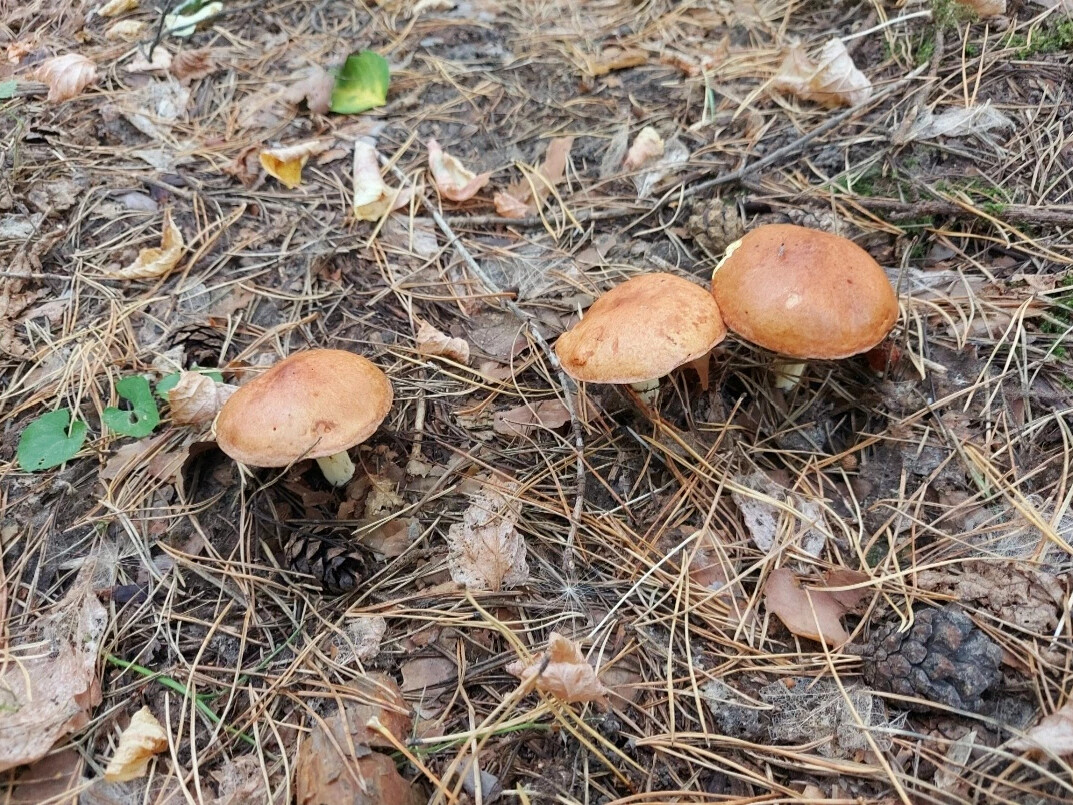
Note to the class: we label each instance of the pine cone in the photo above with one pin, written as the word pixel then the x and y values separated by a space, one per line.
pixel 202 344
pixel 714 226
pixel 943 658
pixel 329 554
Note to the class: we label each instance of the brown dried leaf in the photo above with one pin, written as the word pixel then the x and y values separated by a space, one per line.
pixel 125 30
pixel 615 58
pixel 197 398
pixel 315 89
pixel 432 342
pixel 327 774
pixel 190 65
pixel 706 568
pixel 525 419
pixel 153 263
pixel 1054 733
pixel 844 577
pixel 508 206
pixel 486 551
pixel 452 179
pixel 55 779
pixel 51 689
pixel 986 8
pixel 421 673
pixel 285 164
pixel 647 147
pixel 373 199
pixel 807 613
pixel 66 76
pixel 525 197
pixel 113 8
pixel 143 738
pixel 158 62
pixel 567 674
pixel 833 80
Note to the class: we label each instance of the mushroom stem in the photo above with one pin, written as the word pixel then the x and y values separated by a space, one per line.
pixel 700 366
pixel 337 468
pixel 788 374
pixel 647 390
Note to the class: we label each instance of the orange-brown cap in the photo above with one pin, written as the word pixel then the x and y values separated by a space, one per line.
pixel 312 404
pixel 804 293
pixel 641 330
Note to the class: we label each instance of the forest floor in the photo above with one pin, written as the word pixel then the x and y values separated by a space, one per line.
pixel 153 572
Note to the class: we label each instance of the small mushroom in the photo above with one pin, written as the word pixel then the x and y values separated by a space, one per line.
pixel 313 404
pixel 805 294
pixel 640 331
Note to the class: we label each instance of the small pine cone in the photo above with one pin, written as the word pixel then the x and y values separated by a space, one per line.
pixel 943 657
pixel 714 226
pixel 330 555
pixel 202 344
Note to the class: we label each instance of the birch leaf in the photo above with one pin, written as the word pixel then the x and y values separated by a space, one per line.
pixel 485 550
pixel 563 672
pixel 453 180
pixel 66 76
pixel 156 262
pixel 285 164
pixel 197 398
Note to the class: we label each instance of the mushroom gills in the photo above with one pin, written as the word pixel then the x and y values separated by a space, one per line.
pixel 338 469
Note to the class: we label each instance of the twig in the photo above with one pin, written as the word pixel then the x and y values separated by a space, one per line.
pixel 1058 214
pixel 568 385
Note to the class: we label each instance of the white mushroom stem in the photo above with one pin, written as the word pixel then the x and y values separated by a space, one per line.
pixel 700 366
pixel 647 390
pixel 788 374
pixel 338 468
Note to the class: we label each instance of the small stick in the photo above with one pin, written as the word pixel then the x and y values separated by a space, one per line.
pixel 568 385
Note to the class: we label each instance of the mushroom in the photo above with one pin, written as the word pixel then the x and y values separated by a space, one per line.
pixel 640 331
pixel 313 404
pixel 805 294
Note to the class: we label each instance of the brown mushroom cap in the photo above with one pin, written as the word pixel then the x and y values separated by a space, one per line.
pixel 804 293
pixel 309 405
pixel 641 330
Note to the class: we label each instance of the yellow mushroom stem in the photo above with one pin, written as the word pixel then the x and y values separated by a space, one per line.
pixel 338 469
pixel 788 374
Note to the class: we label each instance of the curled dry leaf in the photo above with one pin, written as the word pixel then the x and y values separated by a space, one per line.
pixel 49 686
pixel 159 61
pixel 833 80
pixel 432 342
pixel 615 58
pixel 647 147
pixel 486 551
pixel 566 673
pixel 124 30
pixel 452 179
pixel 807 613
pixel 525 419
pixel 152 263
pixel 190 65
pixel 315 89
pixel 66 76
pixel 285 164
pixel 525 197
pixel 143 738
pixel 1054 733
pixel 761 513
pixel 373 199
pixel 197 398
pixel 113 8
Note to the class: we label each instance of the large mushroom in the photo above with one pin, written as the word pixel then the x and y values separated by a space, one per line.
pixel 640 331
pixel 804 293
pixel 314 404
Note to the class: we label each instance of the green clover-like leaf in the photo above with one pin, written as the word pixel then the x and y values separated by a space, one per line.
pixel 143 416
pixel 168 382
pixel 50 440
pixel 361 83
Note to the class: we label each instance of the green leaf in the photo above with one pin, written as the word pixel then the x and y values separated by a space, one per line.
pixel 168 382
pixel 184 20
pixel 142 417
pixel 361 83
pixel 7 89
pixel 50 440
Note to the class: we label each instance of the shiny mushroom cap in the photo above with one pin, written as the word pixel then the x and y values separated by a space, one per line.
pixel 310 405
pixel 641 330
pixel 804 293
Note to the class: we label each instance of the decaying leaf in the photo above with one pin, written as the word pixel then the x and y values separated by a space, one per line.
pixel 143 738
pixel 285 164
pixel 452 179
pixel 315 89
pixel 833 80
pixel 960 121
pixel 432 342
pixel 55 779
pixel 525 419
pixel 807 613
pixel 526 197
pixel 563 672
pixel 113 8
pixel 1054 733
pixel 373 199
pixel 197 398
pixel 675 153
pixel 156 262
pixel 486 551
pixel 986 8
pixel 159 61
pixel 761 512
pixel 362 637
pixel 124 30
pixel 49 685
pixel 190 65
pixel 615 58
pixel 383 497
pixel 647 147
pixel 422 673
pixel 66 76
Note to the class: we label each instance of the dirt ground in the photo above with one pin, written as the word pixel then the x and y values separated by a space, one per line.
pixel 938 469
